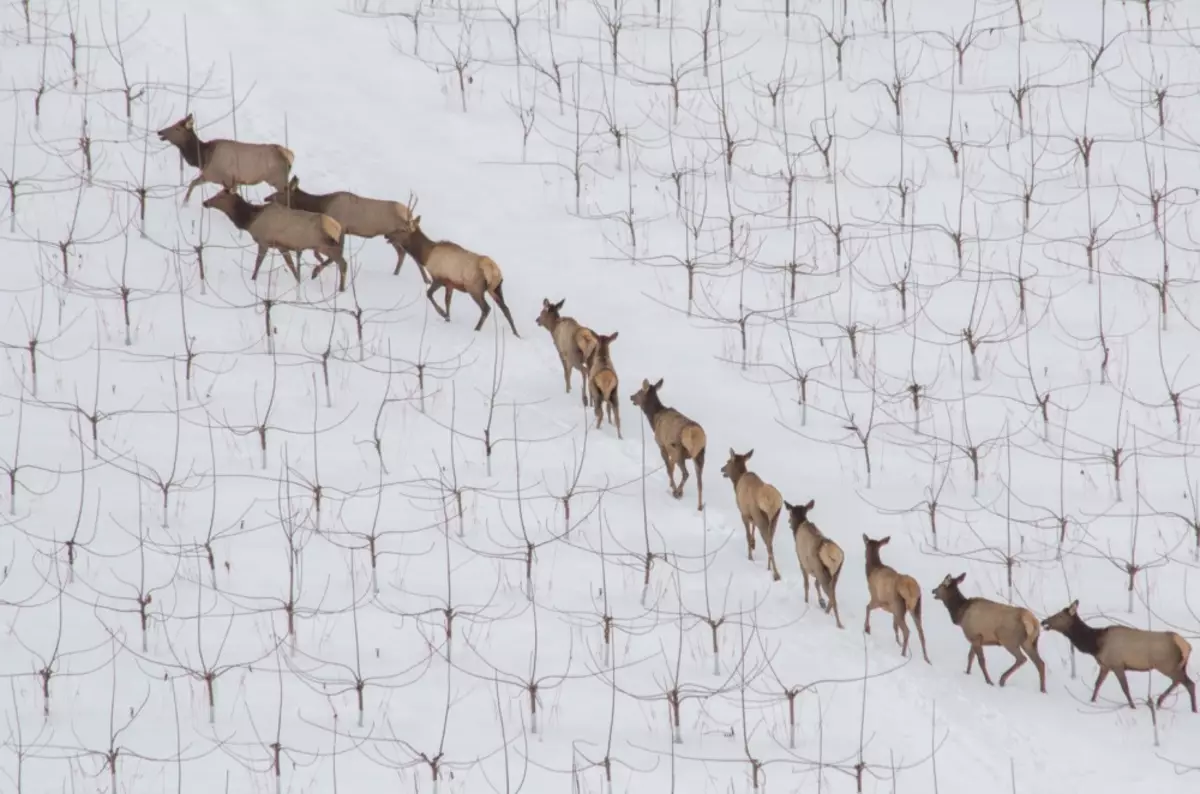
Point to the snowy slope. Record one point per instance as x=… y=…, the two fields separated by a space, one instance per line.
x=335 y=468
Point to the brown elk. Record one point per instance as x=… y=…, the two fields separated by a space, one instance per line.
x=819 y=557
x=603 y=382
x=574 y=342
x=286 y=230
x=679 y=438
x=759 y=504
x=987 y=623
x=1118 y=649
x=453 y=268
x=227 y=163
x=359 y=216
x=895 y=593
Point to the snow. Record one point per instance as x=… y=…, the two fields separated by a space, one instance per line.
x=170 y=417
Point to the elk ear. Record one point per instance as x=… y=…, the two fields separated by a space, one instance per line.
x=189 y=121
x=866 y=540
x=788 y=507
x=959 y=579
x=1074 y=608
x=748 y=455
x=417 y=222
x=732 y=454
x=545 y=303
x=294 y=183
x=885 y=541
x=613 y=336
x=658 y=385
x=810 y=504
x=559 y=305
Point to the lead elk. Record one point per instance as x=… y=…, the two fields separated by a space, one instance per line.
x=759 y=504
x=452 y=267
x=987 y=623
x=1117 y=649
x=819 y=557
x=679 y=438
x=574 y=342
x=227 y=163
x=603 y=381
x=359 y=216
x=895 y=593
x=286 y=230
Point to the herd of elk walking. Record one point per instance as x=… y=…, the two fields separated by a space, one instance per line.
x=292 y=221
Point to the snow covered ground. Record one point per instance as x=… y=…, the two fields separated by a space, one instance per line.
x=934 y=262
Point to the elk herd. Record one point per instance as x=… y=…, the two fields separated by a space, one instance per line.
x=292 y=221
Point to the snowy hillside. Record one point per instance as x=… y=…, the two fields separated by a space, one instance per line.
x=935 y=263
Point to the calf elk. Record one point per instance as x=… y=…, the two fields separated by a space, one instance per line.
x=678 y=437
x=360 y=217
x=229 y=164
x=986 y=623
x=819 y=557
x=602 y=381
x=1120 y=648
x=452 y=267
x=895 y=593
x=573 y=342
x=759 y=504
x=286 y=230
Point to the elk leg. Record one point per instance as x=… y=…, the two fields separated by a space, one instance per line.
x=597 y=403
x=434 y=287
x=700 y=480
x=195 y=183
x=804 y=573
x=449 y=293
x=287 y=260
x=1017 y=665
x=258 y=260
x=614 y=412
x=583 y=375
x=343 y=268
x=670 y=464
x=566 y=365
x=982 y=664
x=683 y=468
x=484 y=309
x=1099 y=680
x=833 y=603
x=921 y=635
x=1124 y=682
x=1174 y=683
x=899 y=626
x=1032 y=650
x=769 y=538
x=498 y=296
x=872 y=605
x=749 y=537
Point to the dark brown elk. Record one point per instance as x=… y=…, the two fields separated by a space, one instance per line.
x=895 y=593
x=453 y=268
x=679 y=438
x=227 y=163
x=987 y=623
x=359 y=216
x=1118 y=649
x=759 y=504
x=286 y=230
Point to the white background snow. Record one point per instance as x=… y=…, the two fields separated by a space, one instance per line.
x=161 y=539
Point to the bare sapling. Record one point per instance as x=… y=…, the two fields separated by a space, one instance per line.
x=679 y=438
x=359 y=216
x=453 y=268
x=602 y=382
x=573 y=342
x=116 y=51
x=988 y=623
x=895 y=593
x=758 y=503
x=1119 y=649
x=228 y=163
x=461 y=62
x=820 y=558
x=275 y=226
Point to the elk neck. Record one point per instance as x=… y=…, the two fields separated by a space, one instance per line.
x=956 y=604
x=194 y=151
x=419 y=246
x=652 y=406
x=873 y=559
x=243 y=212
x=1085 y=638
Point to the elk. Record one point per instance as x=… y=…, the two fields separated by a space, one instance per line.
x=574 y=342
x=1120 y=648
x=819 y=557
x=759 y=504
x=895 y=593
x=227 y=163
x=452 y=267
x=602 y=381
x=286 y=230
x=359 y=216
x=986 y=623
x=679 y=438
